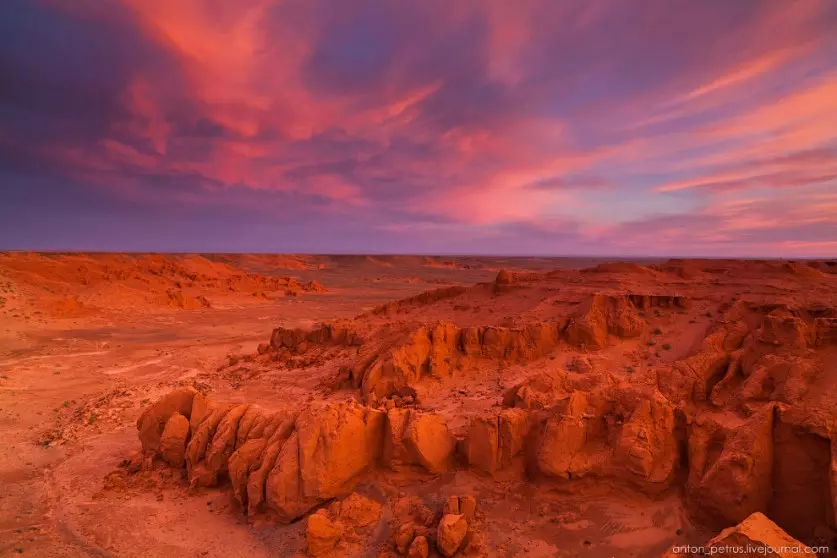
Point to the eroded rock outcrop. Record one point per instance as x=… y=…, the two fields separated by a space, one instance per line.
x=173 y=440
x=494 y=440
x=756 y=536
x=153 y=420
x=330 y=447
x=420 y=300
x=600 y=316
x=646 y=301
x=731 y=467
x=428 y=442
x=299 y=340
x=272 y=458
x=340 y=529
x=623 y=434
x=545 y=389
x=691 y=379
x=774 y=362
x=442 y=349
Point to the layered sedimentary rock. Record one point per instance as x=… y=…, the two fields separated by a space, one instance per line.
x=299 y=340
x=442 y=349
x=623 y=434
x=272 y=458
x=731 y=467
x=173 y=440
x=330 y=447
x=646 y=301
x=493 y=441
x=423 y=299
x=153 y=420
x=415 y=438
x=602 y=315
x=756 y=536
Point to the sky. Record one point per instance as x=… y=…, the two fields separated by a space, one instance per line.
x=579 y=127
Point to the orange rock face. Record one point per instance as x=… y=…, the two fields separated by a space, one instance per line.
x=698 y=393
x=173 y=440
x=619 y=434
x=330 y=447
x=429 y=443
x=153 y=420
x=602 y=315
x=736 y=481
x=756 y=536
x=451 y=534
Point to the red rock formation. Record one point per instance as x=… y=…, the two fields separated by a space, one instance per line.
x=153 y=420
x=173 y=440
x=428 y=442
x=646 y=301
x=691 y=379
x=731 y=467
x=330 y=447
x=622 y=434
x=420 y=300
x=442 y=349
x=756 y=536
x=299 y=340
x=494 y=440
x=602 y=315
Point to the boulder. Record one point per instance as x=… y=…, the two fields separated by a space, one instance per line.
x=429 y=443
x=173 y=440
x=153 y=420
x=451 y=533
x=755 y=537
x=357 y=511
x=403 y=537
x=322 y=534
x=504 y=277
x=419 y=548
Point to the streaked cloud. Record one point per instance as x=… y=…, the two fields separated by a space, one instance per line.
x=658 y=126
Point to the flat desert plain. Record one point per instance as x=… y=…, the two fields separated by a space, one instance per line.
x=279 y=405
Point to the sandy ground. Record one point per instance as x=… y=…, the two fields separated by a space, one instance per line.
x=73 y=384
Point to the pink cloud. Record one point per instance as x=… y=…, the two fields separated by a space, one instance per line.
x=472 y=115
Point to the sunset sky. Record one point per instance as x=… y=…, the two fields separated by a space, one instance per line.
x=613 y=127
